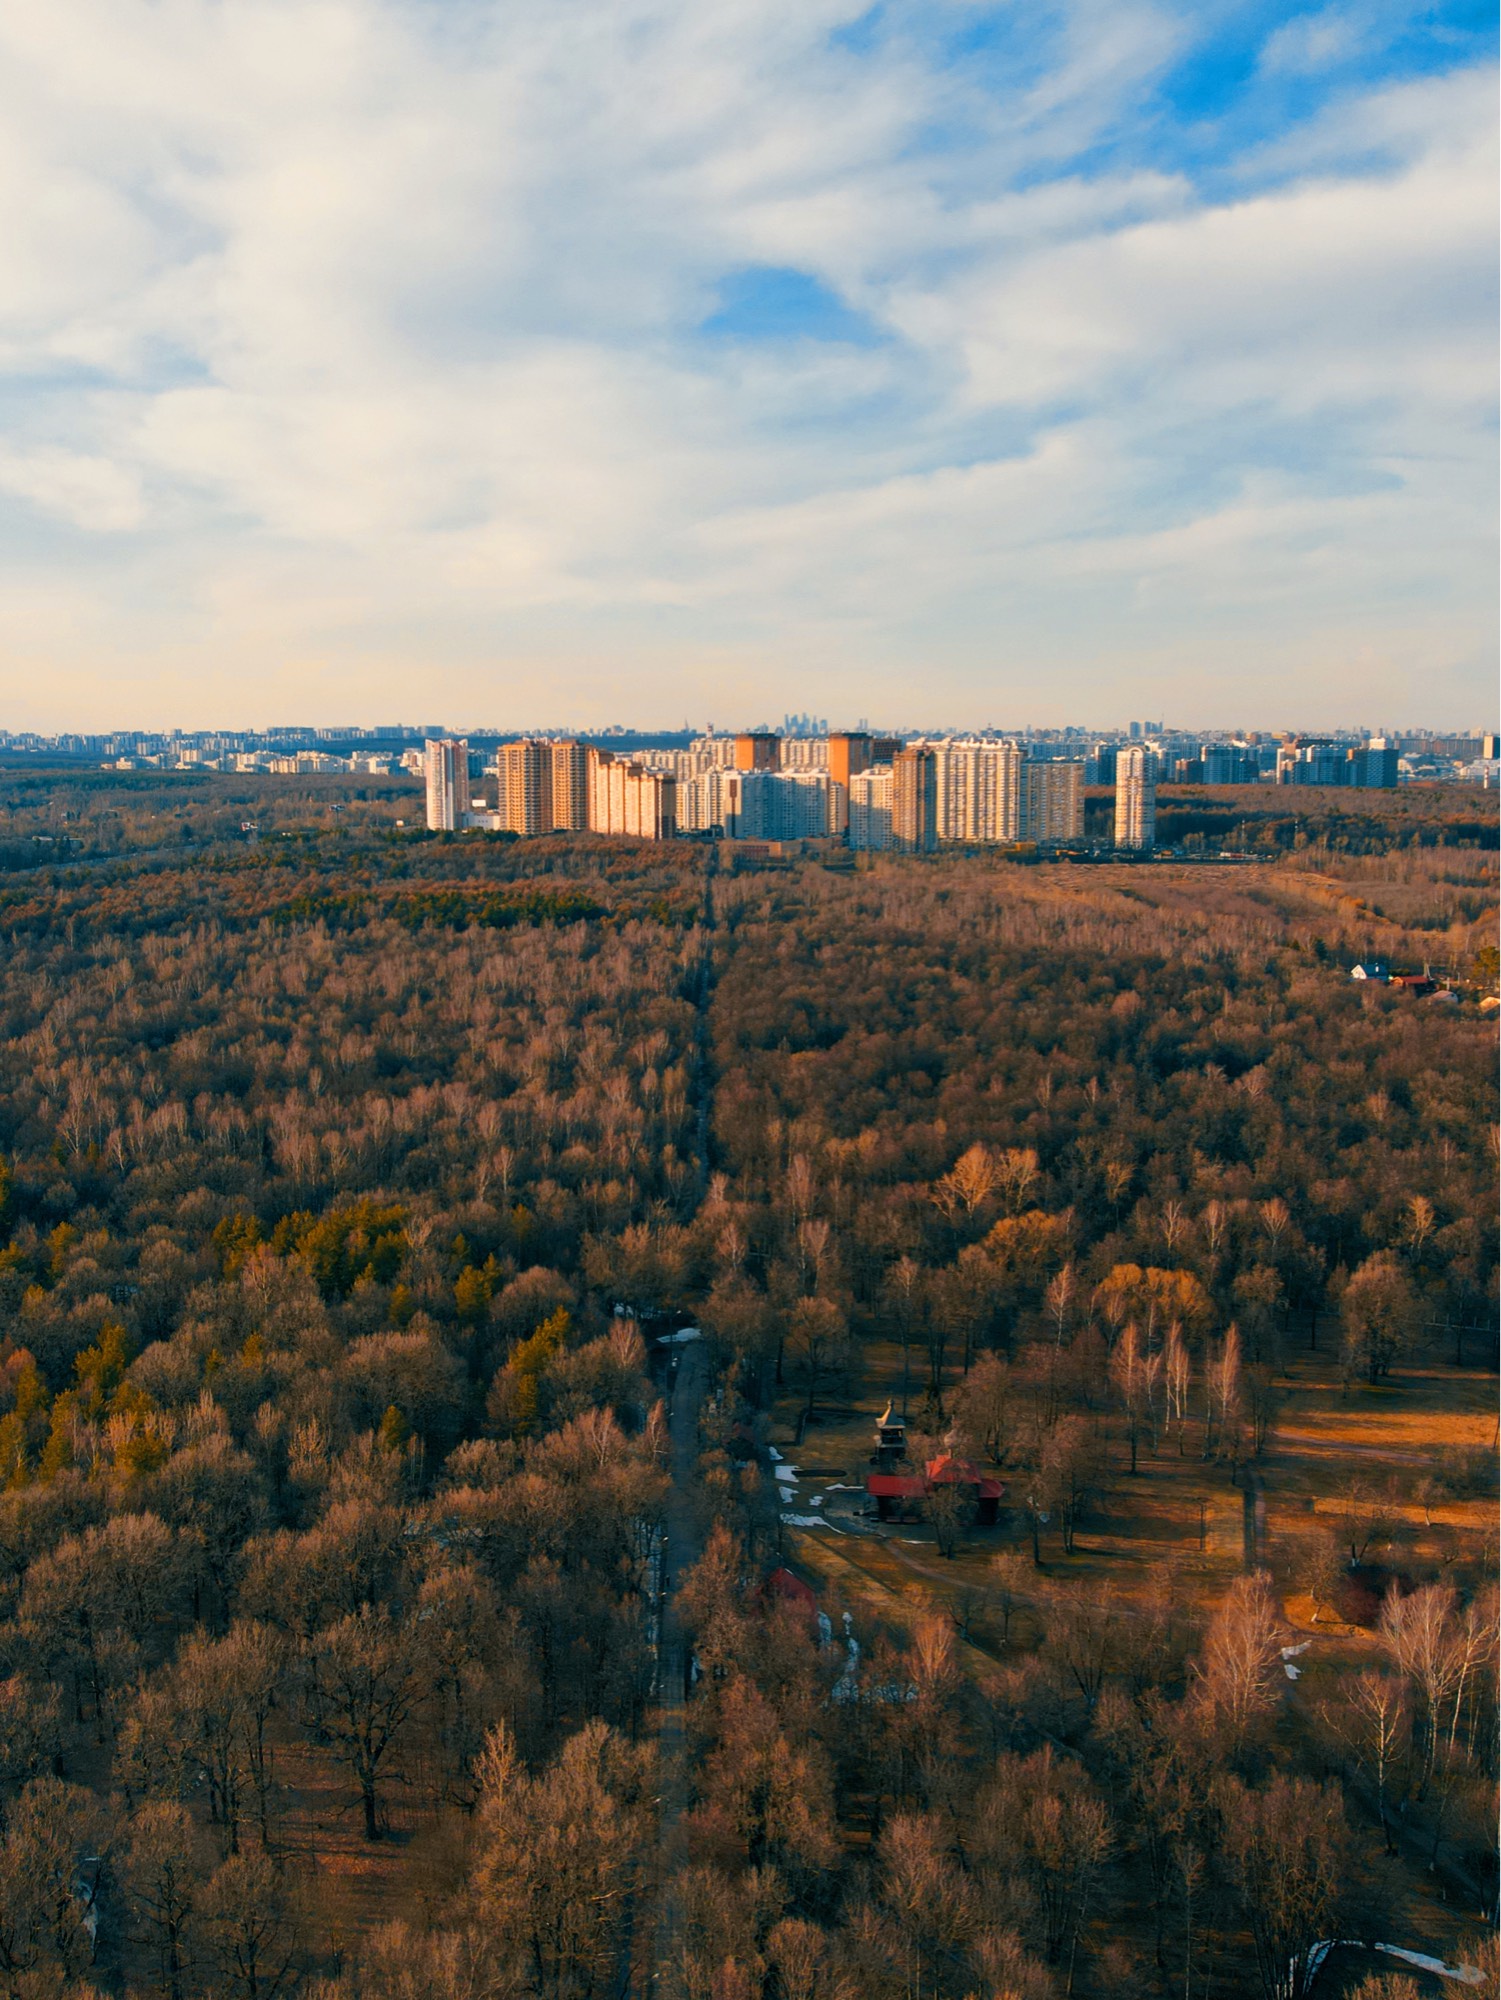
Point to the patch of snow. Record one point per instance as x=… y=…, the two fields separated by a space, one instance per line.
x=773 y=1454
x=816 y=1501
x=805 y=1520
x=1291 y=1671
x=677 y=1339
x=1469 y=1974
x=1292 y=1652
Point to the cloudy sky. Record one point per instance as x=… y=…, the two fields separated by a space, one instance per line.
x=573 y=361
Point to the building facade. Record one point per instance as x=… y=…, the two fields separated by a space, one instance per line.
x=445 y=765
x=914 y=802
x=1052 y=801
x=758 y=750
x=626 y=797
x=871 y=794
x=1136 y=798
x=570 y=787
x=979 y=797
x=523 y=786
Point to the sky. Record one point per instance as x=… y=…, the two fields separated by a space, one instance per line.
x=567 y=362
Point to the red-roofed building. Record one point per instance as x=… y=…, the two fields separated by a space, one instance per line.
x=899 y=1495
x=783 y=1588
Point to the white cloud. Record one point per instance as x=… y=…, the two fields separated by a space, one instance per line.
x=375 y=327
x=92 y=493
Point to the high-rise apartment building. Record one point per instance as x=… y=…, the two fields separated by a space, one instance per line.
x=570 y=787
x=523 y=772
x=1374 y=766
x=849 y=753
x=445 y=764
x=1136 y=797
x=709 y=801
x=804 y=753
x=1052 y=800
x=782 y=805
x=914 y=805
x=625 y=797
x=979 y=790
x=758 y=750
x=871 y=793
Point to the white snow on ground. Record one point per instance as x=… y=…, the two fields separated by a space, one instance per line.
x=773 y=1454
x=816 y=1501
x=805 y=1521
x=1468 y=1975
x=1292 y=1652
x=785 y=1472
x=677 y=1339
x=1471 y=1975
x=1290 y=1671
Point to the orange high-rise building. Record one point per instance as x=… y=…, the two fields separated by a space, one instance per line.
x=758 y=750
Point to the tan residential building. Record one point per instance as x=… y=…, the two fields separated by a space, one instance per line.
x=570 y=787
x=523 y=773
x=626 y=798
x=1052 y=803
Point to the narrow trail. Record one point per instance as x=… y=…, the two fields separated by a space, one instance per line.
x=1253 y=1522
x=682 y=1541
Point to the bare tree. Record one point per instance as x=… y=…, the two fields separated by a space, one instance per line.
x=1286 y=1850
x=1240 y=1666
x=369 y=1673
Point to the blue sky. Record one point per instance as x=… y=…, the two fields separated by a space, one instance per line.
x=566 y=361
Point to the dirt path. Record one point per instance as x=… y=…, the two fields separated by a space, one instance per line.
x=682 y=1543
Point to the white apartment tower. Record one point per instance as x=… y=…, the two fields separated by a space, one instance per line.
x=979 y=791
x=1136 y=797
x=871 y=803
x=445 y=764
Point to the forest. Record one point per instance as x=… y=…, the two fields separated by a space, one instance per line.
x=430 y=1266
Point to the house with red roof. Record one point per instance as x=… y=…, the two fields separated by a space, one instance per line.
x=900 y=1496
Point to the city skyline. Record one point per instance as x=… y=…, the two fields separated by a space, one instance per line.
x=571 y=359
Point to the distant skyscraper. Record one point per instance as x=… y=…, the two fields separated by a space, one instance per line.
x=445 y=763
x=914 y=805
x=1136 y=798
